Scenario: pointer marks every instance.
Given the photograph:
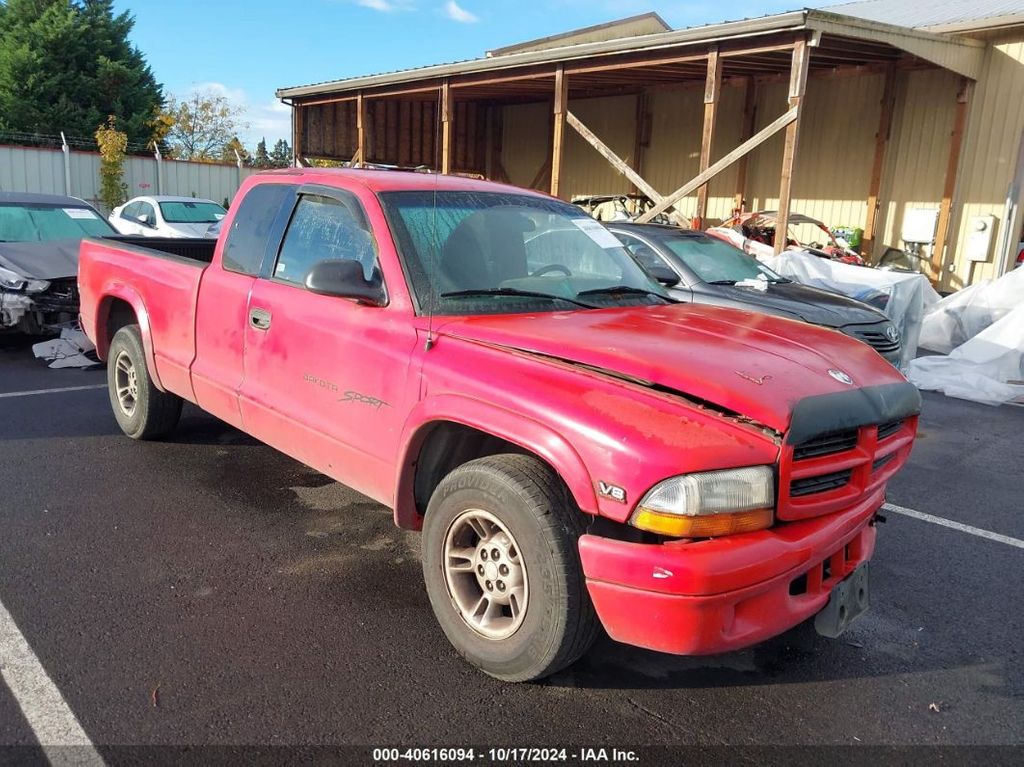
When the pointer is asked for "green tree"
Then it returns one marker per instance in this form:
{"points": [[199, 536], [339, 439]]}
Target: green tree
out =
{"points": [[281, 155], [261, 159], [65, 65], [112, 144], [201, 125], [233, 146]]}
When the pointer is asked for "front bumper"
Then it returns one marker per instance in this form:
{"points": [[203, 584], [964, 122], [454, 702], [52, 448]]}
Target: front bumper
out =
{"points": [[718, 595]]}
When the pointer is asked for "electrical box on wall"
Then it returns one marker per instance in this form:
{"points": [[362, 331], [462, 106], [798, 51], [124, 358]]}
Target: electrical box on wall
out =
{"points": [[981, 231]]}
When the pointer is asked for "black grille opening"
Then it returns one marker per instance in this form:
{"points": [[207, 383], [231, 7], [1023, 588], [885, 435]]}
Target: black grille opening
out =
{"points": [[880, 462], [888, 429], [826, 445], [798, 585], [820, 484], [878, 341]]}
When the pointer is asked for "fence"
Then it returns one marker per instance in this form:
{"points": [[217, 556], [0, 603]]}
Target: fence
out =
{"points": [[76, 173]]}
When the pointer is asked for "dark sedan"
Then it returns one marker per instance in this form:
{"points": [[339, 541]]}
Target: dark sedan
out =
{"points": [[706, 270], [39, 237]]}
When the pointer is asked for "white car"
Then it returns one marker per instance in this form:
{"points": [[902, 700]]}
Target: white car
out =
{"points": [[166, 216]]}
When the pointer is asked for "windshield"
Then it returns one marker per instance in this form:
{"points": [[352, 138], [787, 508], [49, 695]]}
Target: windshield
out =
{"points": [[497, 253], [20, 222], [715, 261], [191, 212]]}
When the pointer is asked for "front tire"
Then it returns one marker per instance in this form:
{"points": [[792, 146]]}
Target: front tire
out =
{"points": [[142, 410], [502, 569]]}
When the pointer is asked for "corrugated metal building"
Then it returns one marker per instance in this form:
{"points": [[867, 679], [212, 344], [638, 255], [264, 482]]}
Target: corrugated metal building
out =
{"points": [[857, 114]]}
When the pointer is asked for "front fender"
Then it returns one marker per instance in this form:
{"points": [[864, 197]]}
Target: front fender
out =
{"points": [[513, 427], [100, 323]]}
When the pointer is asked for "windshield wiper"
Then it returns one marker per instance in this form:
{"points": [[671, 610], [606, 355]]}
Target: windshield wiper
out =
{"points": [[512, 292], [618, 290], [722, 282]]}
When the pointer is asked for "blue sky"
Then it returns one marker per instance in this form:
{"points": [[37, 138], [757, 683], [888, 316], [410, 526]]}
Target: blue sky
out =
{"points": [[246, 50]]}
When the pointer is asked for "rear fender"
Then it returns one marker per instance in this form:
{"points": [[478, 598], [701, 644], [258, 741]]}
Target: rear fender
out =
{"points": [[516, 428], [133, 299]]}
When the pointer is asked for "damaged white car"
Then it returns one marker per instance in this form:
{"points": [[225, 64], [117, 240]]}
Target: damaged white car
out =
{"points": [[39, 238]]}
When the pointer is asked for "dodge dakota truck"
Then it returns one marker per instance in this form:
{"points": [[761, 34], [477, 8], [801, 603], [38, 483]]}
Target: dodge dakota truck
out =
{"points": [[577, 449]]}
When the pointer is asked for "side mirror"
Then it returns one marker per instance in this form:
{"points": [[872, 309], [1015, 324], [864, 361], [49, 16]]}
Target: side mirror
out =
{"points": [[143, 219], [344, 278], [664, 275]]}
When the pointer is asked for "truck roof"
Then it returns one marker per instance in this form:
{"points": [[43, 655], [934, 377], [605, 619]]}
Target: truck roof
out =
{"points": [[395, 181]]}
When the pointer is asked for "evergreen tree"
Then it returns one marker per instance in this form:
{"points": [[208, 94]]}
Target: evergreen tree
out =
{"points": [[236, 145], [66, 65], [261, 159], [281, 155]]}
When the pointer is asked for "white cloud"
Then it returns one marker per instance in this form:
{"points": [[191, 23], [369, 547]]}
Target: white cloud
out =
{"points": [[385, 6], [456, 13]]}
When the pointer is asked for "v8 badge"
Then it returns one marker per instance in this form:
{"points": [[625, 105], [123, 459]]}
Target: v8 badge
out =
{"points": [[614, 492]]}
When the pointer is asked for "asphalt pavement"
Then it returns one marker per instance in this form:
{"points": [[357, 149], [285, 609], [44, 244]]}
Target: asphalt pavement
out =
{"points": [[208, 590]]}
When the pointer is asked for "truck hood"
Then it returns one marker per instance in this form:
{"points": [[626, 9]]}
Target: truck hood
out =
{"points": [[791, 299], [755, 365]]}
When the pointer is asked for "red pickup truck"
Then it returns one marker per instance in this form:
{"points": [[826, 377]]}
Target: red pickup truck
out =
{"points": [[488, 362]]}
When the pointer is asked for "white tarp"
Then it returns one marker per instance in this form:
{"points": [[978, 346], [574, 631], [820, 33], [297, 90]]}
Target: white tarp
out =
{"points": [[72, 350], [904, 297], [960, 317], [989, 368]]}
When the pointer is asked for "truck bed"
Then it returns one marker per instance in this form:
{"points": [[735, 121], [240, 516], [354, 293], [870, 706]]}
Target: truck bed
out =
{"points": [[188, 249], [159, 279]]}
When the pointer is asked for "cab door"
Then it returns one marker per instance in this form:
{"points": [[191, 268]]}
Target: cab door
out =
{"points": [[222, 309], [327, 378]]}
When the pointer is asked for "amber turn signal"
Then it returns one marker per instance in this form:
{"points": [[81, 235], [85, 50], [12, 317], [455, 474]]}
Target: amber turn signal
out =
{"points": [[703, 526]]}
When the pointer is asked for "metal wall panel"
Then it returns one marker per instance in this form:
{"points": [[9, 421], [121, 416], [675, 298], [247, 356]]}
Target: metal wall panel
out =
{"points": [[673, 157], [30, 169], [526, 142], [832, 172], [915, 167], [613, 120], [995, 130]]}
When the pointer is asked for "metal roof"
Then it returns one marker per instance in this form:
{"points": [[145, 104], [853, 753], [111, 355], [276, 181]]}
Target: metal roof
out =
{"points": [[920, 14], [961, 55]]}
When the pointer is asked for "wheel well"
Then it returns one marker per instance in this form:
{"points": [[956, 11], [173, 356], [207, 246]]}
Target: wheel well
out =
{"points": [[119, 314], [447, 446]]}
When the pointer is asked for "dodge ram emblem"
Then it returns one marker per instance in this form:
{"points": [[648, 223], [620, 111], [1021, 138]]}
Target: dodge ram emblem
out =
{"points": [[840, 376]]}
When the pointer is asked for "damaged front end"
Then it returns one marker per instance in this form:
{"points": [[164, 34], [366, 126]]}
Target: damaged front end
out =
{"points": [[36, 307]]}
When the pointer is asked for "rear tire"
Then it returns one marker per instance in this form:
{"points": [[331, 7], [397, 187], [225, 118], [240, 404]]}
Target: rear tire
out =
{"points": [[142, 410], [502, 569]]}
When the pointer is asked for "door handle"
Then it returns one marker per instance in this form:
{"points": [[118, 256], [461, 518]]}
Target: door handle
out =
{"points": [[259, 319]]}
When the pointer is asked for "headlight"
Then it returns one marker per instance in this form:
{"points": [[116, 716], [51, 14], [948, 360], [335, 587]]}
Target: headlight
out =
{"points": [[11, 280], [709, 503]]}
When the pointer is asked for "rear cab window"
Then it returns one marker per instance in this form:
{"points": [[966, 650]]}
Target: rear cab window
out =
{"points": [[253, 227]]}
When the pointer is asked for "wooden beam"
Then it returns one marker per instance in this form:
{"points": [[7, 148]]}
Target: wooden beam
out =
{"points": [[360, 130], [712, 90], [297, 143], [447, 115], [558, 134], [746, 147], [641, 132], [746, 130], [878, 164], [797, 89], [963, 98], [543, 173]]}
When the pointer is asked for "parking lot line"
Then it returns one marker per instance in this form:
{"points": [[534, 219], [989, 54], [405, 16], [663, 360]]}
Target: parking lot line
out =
{"points": [[33, 392], [954, 525], [44, 708]]}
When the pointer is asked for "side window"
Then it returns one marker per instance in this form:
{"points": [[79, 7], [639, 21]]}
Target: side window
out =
{"points": [[247, 239], [130, 212], [145, 209], [641, 251], [324, 229]]}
